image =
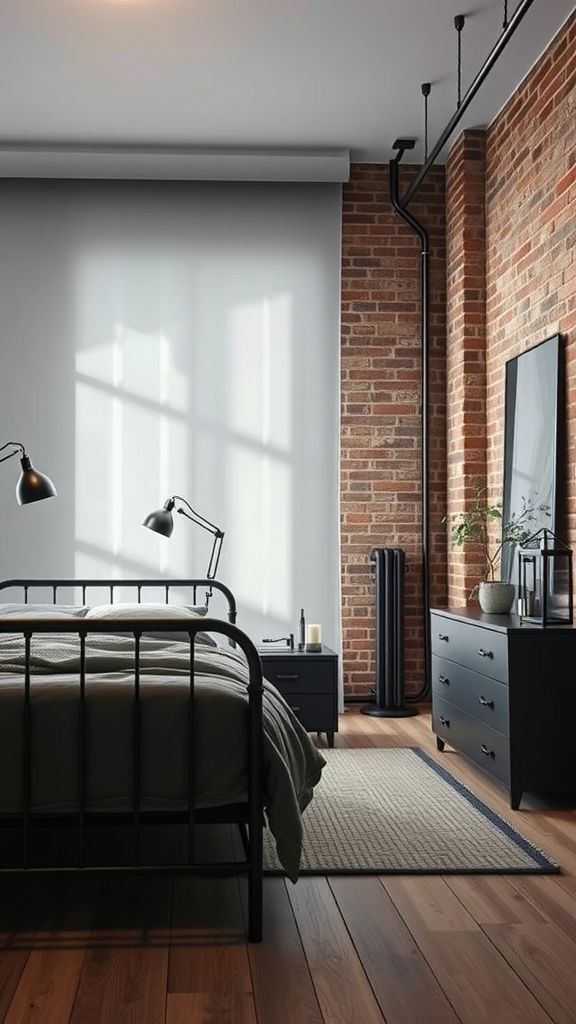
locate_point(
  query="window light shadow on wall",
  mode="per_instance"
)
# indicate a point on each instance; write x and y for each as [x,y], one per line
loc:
[170,399]
[259,400]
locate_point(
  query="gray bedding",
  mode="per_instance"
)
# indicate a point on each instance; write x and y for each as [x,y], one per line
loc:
[292,764]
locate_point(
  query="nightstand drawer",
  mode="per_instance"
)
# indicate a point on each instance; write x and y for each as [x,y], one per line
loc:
[316,712]
[475,647]
[294,675]
[478,695]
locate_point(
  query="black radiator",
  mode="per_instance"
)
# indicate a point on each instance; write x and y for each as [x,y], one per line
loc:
[390,568]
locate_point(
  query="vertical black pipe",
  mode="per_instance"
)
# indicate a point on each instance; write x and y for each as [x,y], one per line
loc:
[424,335]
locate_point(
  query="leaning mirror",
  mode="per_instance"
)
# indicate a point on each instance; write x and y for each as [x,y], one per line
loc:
[533,438]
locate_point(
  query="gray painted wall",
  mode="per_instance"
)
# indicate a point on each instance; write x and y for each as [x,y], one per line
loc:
[181,338]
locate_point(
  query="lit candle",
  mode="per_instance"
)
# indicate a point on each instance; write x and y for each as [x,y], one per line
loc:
[313,633]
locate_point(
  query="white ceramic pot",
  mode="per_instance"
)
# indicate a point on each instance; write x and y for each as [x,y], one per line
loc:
[496,597]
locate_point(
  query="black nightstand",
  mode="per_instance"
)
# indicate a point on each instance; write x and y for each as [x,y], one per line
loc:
[309,684]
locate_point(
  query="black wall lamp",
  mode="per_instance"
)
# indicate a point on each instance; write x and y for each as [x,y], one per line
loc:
[31,486]
[162,521]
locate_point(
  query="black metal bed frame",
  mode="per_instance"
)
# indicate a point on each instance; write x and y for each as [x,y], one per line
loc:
[248,817]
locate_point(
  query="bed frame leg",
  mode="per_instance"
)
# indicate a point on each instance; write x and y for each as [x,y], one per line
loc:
[255,907]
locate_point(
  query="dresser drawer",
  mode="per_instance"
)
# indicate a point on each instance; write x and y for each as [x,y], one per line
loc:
[295,675]
[473,646]
[480,696]
[487,747]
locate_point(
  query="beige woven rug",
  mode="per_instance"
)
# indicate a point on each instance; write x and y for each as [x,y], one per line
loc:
[396,811]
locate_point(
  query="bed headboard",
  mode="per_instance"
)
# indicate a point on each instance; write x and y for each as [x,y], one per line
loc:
[96,591]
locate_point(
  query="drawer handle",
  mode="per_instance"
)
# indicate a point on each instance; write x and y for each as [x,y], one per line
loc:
[444,680]
[485,654]
[485,703]
[444,721]
[295,708]
[443,636]
[286,675]
[486,750]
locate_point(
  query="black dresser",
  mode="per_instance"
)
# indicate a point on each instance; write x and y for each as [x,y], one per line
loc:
[309,684]
[504,694]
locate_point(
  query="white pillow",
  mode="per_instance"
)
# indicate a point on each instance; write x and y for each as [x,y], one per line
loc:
[143,610]
[151,612]
[42,611]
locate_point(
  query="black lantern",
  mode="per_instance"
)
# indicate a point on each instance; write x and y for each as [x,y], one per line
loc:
[545,580]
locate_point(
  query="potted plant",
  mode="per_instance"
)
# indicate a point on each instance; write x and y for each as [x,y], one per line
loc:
[478,524]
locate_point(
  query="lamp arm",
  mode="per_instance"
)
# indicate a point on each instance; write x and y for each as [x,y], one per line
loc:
[218,534]
[195,516]
[19,450]
[215,555]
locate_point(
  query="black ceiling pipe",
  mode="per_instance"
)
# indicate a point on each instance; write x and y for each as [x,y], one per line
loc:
[401,145]
[487,66]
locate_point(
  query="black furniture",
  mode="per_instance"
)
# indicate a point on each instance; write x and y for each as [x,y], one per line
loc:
[389,572]
[504,694]
[309,684]
[247,815]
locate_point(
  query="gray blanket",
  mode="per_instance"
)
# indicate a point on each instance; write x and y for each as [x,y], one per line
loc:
[292,764]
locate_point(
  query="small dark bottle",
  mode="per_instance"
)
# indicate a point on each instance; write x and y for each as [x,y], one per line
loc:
[302,631]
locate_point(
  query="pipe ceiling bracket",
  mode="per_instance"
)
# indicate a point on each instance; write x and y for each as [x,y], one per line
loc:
[426,89]
[402,145]
[459,25]
[464,101]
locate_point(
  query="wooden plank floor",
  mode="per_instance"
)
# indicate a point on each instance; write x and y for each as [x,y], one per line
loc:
[340,950]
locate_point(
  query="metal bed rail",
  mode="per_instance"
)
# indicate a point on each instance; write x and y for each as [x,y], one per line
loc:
[249,817]
[26,588]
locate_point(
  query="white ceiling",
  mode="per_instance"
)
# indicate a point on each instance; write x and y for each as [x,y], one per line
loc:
[254,74]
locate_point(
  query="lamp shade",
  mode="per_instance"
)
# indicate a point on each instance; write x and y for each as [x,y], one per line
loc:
[32,486]
[161,520]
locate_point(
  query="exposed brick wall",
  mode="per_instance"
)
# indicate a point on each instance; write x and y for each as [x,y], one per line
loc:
[381,404]
[509,277]
[531,239]
[466,345]
[528,198]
